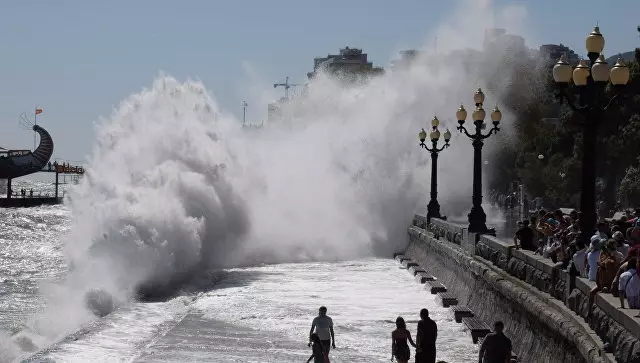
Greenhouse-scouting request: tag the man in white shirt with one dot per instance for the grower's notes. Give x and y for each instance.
(625, 278)
(323, 326)
(580, 259)
(631, 284)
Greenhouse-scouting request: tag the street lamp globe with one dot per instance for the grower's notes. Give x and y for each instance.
(619, 73)
(478, 96)
(479, 114)
(595, 41)
(447, 136)
(581, 73)
(435, 122)
(540, 157)
(435, 135)
(562, 71)
(422, 136)
(496, 115)
(600, 70)
(461, 114)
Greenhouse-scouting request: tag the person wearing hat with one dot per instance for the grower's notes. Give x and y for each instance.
(623, 247)
(593, 255)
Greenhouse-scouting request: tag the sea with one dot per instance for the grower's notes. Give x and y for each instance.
(256, 313)
(190, 239)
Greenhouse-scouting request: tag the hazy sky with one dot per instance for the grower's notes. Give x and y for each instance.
(78, 59)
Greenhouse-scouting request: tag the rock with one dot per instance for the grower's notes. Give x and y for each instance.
(99, 302)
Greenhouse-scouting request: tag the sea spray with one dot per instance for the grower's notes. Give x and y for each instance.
(175, 187)
(155, 207)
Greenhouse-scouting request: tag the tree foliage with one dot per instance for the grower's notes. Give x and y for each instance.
(556, 177)
(629, 191)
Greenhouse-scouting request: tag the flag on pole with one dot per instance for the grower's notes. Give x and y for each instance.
(38, 111)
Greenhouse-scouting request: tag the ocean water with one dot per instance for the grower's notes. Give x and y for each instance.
(251, 314)
(235, 238)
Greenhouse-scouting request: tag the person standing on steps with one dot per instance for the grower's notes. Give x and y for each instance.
(426, 338)
(323, 326)
(496, 347)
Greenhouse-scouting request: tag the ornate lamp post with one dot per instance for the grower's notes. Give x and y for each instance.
(590, 79)
(477, 217)
(433, 208)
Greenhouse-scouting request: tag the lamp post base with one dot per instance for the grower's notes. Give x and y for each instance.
(478, 221)
(433, 210)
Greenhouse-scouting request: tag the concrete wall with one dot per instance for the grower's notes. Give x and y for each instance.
(528, 294)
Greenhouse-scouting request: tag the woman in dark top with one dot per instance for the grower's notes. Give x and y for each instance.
(318, 354)
(399, 346)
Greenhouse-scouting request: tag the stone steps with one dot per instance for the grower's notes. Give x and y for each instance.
(435, 287)
(415, 269)
(423, 277)
(408, 263)
(460, 312)
(477, 327)
(447, 299)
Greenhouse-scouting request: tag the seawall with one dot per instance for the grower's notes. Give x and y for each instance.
(547, 313)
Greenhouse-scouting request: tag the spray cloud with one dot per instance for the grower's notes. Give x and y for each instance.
(176, 187)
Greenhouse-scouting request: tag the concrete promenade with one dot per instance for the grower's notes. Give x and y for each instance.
(563, 297)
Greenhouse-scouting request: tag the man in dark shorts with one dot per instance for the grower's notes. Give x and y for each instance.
(323, 325)
(496, 347)
(426, 338)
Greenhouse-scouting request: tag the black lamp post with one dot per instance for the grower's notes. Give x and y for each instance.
(433, 208)
(590, 79)
(477, 217)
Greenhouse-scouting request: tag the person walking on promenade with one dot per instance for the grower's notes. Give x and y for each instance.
(426, 338)
(399, 346)
(317, 354)
(496, 347)
(323, 326)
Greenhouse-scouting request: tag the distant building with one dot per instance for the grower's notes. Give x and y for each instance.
(498, 39)
(553, 52)
(275, 110)
(407, 57)
(350, 64)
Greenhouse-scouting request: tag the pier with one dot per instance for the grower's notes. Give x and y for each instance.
(28, 199)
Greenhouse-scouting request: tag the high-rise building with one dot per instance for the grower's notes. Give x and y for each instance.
(553, 52)
(350, 64)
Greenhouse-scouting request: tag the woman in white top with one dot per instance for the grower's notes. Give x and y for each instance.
(593, 256)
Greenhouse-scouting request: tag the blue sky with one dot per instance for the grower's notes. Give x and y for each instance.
(77, 59)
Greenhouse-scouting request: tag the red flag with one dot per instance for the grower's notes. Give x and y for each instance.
(38, 111)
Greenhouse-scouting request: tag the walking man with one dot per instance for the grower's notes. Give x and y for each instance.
(323, 326)
(426, 338)
(496, 347)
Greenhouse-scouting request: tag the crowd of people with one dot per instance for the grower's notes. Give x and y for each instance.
(610, 257)
(495, 348)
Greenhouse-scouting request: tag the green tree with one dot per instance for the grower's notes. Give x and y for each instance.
(629, 191)
(557, 176)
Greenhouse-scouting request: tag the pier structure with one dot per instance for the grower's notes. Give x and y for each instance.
(63, 168)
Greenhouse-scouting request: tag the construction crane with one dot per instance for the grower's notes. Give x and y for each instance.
(286, 86)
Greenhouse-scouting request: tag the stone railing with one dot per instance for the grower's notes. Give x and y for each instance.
(614, 326)
(446, 230)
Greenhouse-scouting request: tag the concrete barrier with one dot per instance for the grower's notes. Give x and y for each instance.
(527, 292)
